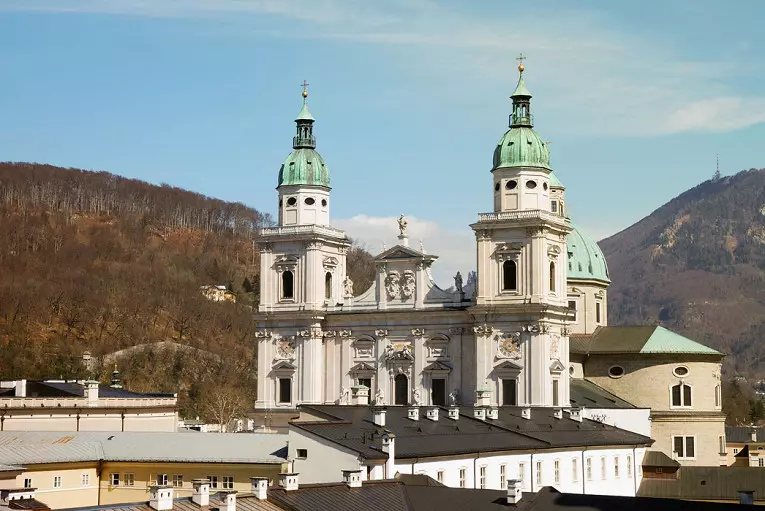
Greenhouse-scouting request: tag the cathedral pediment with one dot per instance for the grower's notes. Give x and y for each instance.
(509, 366)
(556, 367)
(285, 365)
(362, 367)
(399, 252)
(438, 366)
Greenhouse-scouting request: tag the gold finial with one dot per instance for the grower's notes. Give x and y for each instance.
(115, 365)
(548, 144)
(305, 90)
(520, 58)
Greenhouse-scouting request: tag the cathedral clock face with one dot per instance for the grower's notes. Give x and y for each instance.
(509, 346)
(285, 349)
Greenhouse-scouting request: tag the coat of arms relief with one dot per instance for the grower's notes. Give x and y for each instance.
(397, 285)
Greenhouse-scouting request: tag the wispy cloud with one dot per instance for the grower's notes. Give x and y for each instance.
(717, 114)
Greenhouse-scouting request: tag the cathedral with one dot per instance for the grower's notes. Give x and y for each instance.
(528, 327)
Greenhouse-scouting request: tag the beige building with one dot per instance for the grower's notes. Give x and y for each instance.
(84, 469)
(62, 405)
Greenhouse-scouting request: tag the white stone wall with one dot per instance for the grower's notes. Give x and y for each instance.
(310, 206)
(637, 420)
(587, 296)
(324, 462)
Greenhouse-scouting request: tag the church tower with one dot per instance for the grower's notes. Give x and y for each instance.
(302, 275)
(521, 301)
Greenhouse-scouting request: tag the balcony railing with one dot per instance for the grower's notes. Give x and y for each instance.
(521, 215)
(302, 229)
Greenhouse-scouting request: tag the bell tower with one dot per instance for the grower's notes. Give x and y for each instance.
(521, 300)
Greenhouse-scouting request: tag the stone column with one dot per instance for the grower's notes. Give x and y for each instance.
(314, 277)
(312, 365)
(265, 383)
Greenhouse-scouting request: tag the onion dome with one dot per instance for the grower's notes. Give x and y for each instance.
(585, 259)
(304, 165)
(521, 146)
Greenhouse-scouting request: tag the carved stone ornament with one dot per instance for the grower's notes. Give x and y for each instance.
(534, 231)
(456, 330)
(303, 333)
(532, 328)
(407, 285)
(599, 294)
(544, 328)
(398, 352)
(565, 331)
(286, 262)
(554, 347)
(381, 333)
(553, 251)
(509, 346)
(483, 235)
(330, 262)
(316, 332)
(392, 284)
(344, 333)
(330, 333)
(347, 287)
(263, 334)
(285, 350)
(418, 332)
(483, 329)
(509, 247)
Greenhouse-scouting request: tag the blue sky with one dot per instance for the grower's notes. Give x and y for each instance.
(410, 97)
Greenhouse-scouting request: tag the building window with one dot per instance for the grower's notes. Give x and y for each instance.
(721, 440)
(438, 391)
(574, 470)
(27, 482)
(555, 392)
(288, 284)
(463, 477)
(57, 483)
(538, 477)
(440, 476)
(556, 471)
(401, 384)
(213, 481)
(302, 453)
(503, 477)
(552, 277)
(85, 479)
(509, 392)
(285, 390)
(616, 467)
(589, 469)
(328, 286)
(761, 462)
(554, 206)
(717, 397)
(735, 451)
(603, 469)
(162, 479)
(367, 382)
(228, 482)
(681, 395)
(509, 276)
(521, 472)
(114, 479)
(597, 312)
(572, 308)
(684, 446)
(629, 465)
(128, 479)
(177, 481)
(482, 477)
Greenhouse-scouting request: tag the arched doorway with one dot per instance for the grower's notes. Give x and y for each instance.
(401, 383)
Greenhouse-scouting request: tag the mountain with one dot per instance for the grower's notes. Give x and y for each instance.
(697, 265)
(90, 261)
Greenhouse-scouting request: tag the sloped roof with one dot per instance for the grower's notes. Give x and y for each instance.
(586, 393)
(637, 339)
(658, 459)
(52, 388)
(707, 483)
(743, 434)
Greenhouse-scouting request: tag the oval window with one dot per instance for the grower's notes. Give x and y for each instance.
(324, 202)
(531, 184)
(544, 185)
(571, 370)
(616, 371)
(496, 187)
(291, 201)
(681, 371)
(310, 201)
(510, 185)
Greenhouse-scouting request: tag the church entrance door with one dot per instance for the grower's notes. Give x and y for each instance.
(439, 391)
(401, 383)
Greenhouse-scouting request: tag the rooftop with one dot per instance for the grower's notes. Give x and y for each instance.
(707, 483)
(743, 434)
(71, 388)
(636, 339)
(587, 394)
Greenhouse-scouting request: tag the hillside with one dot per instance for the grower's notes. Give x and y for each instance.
(697, 265)
(96, 262)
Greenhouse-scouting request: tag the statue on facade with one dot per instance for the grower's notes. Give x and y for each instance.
(379, 397)
(344, 394)
(458, 282)
(348, 287)
(416, 398)
(454, 397)
(408, 285)
(402, 226)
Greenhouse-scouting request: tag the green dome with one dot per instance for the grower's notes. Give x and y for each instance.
(585, 259)
(555, 182)
(521, 147)
(304, 167)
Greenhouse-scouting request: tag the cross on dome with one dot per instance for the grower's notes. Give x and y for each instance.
(305, 89)
(520, 59)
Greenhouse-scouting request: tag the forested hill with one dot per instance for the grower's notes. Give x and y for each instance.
(697, 265)
(93, 261)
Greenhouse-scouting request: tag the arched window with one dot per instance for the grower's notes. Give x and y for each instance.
(401, 383)
(509, 276)
(328, 285)
(552, 277)
(288, 285)
(681, 395)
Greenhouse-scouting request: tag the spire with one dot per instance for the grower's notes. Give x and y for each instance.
(304, 137)
(521, 116)
(116, 380)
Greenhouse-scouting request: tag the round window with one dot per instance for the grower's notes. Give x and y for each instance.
(291, 201)
(310, 201)
(324, 202)
(510, 185)
(544, 185)
(496, 187)
(616, 371)
(531, 184)
(681, 371)
(571, 370)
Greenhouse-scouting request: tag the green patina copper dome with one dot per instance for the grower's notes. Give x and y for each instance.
(521, 147)
(555, 182)
(304, 165)
(585, 259)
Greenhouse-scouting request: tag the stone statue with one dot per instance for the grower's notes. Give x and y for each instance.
(416, 398)
(379, 397)
(402, 226)
(454, 397)
(348, 287)
(458, 282)
(344, 392)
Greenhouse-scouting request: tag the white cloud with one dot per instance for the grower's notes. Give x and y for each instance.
(455, 248)
(717, 114)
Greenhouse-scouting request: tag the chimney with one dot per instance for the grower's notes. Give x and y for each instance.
(352, 478)
(8, 495)
(575, 414)
(514, 493)
(227, 500)
(389, 448)
(454, 413)
(432, 413)
(201, 495)
(161, 497)
(526, 413)
(289, 481)
(558, 413)
(91, 391)
(492, 413)
(360, 395)
(413, 413)
(259, 487)
(753, 433)
(21, 388)
(378, 415)
(746, 497)
(479, 413)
